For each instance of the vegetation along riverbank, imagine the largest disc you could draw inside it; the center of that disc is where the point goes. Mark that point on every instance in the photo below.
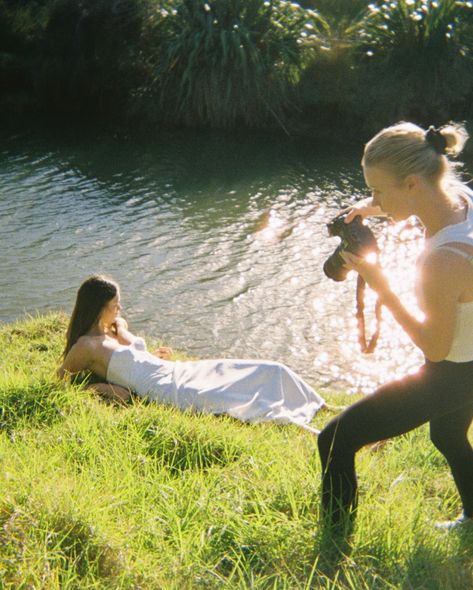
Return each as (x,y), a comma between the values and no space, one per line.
(324,67)
(100,496)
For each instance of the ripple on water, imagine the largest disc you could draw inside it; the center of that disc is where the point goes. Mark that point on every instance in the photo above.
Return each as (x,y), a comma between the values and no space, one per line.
(218,246)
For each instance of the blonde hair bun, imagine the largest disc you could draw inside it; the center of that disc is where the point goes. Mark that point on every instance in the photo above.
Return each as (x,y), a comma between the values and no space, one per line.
(456,136)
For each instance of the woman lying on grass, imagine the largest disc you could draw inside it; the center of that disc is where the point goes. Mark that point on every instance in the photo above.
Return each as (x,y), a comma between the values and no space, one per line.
(99,342)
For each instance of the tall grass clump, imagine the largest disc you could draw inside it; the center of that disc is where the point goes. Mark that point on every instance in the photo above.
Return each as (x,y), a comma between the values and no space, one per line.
(220,63)
(419,58)
(97,496)
(339,14)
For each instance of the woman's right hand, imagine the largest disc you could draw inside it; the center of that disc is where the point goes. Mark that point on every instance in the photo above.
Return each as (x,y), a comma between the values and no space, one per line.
(120,324)
(364,208)
(113,393)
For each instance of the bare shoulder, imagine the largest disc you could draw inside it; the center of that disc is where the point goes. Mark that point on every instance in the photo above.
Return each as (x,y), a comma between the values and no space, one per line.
(448,260)
(447,271)
(78,357)
(84,345)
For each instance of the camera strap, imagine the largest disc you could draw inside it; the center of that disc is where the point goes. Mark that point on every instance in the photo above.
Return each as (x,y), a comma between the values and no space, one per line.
(360,317)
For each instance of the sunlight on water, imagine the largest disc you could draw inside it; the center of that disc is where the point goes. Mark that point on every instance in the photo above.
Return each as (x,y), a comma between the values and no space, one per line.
(218,245)
(395,354)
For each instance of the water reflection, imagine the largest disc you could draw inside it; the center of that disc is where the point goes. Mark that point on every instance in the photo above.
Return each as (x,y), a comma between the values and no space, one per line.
(395,355)
(218,244)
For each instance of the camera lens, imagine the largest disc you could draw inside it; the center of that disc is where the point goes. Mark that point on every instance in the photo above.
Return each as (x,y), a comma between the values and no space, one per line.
(334,267)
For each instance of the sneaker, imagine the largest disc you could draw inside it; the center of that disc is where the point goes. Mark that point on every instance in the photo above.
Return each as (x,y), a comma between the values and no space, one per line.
(459,523)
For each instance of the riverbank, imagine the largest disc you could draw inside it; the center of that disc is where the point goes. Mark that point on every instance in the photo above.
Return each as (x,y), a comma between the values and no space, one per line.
(97,496)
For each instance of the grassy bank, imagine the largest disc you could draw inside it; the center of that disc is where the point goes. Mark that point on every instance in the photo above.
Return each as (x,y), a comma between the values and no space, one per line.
(96,496)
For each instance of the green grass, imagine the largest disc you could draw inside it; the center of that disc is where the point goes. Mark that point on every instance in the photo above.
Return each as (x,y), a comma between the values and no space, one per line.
(94,496)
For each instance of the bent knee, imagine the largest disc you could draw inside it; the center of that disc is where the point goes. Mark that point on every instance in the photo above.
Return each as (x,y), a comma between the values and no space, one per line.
(445,440)
(329,439)
(338,438)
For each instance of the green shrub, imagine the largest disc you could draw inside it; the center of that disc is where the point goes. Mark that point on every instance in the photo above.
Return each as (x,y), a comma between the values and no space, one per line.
(224,62)
(418,58)
(340,15)
(318,65)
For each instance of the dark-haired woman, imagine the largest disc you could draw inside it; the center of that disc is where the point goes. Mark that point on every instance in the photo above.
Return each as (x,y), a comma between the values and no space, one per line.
(98,341)
(409,173)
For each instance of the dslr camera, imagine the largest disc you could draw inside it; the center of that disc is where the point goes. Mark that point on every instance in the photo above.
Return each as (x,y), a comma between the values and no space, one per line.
(355,237)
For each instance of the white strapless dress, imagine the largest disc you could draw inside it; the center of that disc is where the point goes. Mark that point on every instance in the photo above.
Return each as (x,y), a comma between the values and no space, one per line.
(249,390)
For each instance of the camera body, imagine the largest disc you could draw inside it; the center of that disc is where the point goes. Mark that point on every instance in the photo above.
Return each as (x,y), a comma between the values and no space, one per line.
(355,237)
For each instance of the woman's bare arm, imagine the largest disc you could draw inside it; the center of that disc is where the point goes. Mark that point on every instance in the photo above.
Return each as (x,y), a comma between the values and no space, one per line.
(124,336)
(364,208)
(111,392)
(443,279)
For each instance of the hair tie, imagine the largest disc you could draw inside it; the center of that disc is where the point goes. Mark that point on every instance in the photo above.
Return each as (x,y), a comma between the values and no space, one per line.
(435,138)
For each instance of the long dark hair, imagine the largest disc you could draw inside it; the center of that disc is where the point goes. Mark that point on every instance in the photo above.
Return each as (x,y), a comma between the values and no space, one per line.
(92,296)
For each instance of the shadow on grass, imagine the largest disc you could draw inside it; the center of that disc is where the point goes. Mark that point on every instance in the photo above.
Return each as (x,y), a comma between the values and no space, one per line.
(35,405)
(334,544)
(430,568)
(54,547)
(181,445)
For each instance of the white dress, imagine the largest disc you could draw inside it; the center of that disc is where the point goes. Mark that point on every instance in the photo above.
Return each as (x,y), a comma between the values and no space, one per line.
(249,390)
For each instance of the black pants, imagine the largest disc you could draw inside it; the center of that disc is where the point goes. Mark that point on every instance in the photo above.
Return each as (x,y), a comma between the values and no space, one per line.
(440,393)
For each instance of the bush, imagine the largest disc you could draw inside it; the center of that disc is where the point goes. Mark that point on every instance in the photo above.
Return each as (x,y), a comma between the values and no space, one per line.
(329,85)
(418,58)
(318,65)
(224,62)
(22,27)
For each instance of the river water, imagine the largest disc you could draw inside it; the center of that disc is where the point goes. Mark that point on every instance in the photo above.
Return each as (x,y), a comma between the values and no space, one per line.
(218,244)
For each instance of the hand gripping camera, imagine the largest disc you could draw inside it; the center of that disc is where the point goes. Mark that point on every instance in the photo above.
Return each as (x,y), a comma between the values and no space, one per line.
(359,239)
(355,237)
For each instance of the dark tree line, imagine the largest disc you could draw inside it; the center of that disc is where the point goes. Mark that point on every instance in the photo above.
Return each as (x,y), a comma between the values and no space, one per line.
(313,66)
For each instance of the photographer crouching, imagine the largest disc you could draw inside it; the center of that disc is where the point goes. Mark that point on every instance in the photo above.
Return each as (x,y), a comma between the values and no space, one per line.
(408,172)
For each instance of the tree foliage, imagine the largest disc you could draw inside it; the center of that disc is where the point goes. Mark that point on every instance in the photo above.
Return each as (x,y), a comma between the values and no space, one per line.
(422,50)
(229,63)
(224,62)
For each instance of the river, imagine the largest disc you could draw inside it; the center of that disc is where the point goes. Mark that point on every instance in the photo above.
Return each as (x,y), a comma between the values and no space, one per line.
(218,243)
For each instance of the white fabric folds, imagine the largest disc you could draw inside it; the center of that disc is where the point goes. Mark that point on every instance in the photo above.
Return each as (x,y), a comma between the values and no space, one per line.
(249,390)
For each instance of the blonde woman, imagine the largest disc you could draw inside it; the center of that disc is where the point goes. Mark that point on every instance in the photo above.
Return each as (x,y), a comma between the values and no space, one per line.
(408,172)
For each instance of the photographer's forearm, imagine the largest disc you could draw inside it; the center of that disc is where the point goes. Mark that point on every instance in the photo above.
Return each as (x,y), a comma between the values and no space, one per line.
(365,208)
(410,325)
(372,210)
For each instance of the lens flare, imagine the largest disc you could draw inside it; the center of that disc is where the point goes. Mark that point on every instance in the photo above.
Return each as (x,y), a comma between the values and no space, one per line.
(371,257)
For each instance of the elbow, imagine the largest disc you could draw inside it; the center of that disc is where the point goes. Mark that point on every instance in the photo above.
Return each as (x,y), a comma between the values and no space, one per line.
(436,354)
(435,358)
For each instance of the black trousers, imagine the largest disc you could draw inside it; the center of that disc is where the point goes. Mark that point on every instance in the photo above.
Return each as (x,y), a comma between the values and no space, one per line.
(440,393)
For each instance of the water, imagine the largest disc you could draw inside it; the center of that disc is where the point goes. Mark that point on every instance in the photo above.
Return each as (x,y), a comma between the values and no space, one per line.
(218,244)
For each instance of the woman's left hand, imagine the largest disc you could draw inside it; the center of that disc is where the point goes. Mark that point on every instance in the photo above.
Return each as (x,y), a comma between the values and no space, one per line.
(371,272)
